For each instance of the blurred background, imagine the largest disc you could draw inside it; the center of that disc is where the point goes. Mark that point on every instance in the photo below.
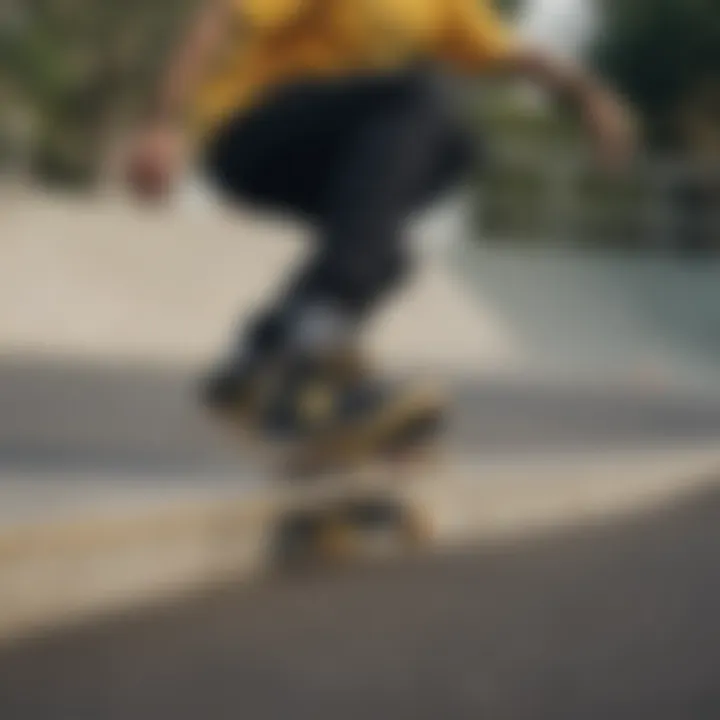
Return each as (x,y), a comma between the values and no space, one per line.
(74,72)
(576,320)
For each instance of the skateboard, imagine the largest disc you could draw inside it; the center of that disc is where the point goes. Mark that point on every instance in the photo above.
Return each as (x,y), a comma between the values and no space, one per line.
(355,514)
(363,510)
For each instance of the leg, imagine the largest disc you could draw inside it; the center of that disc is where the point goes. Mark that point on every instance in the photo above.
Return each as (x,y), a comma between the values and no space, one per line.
(392,163)
(363,154)
(354,157)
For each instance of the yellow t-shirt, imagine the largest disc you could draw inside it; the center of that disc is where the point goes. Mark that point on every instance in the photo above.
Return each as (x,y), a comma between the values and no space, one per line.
(285,40)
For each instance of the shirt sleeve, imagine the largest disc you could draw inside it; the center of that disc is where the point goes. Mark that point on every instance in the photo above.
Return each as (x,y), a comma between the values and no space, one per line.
(474,35)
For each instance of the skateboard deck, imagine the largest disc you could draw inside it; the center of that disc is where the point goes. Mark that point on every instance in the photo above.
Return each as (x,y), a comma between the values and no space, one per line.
(364,510)
(354,514)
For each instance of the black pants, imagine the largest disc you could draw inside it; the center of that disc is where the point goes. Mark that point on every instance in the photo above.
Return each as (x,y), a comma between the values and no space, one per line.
(354,157)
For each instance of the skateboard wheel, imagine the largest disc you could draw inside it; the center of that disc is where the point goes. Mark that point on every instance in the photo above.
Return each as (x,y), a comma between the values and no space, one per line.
(335,541)
(418,528)
(356,529)
(296,538)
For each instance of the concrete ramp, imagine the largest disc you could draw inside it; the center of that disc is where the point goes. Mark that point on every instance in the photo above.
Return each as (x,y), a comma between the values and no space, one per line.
(114,488)
(608,316)
(111,281)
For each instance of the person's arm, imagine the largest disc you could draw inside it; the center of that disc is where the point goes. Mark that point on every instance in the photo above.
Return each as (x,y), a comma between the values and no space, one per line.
(160,146)
(478,40)
(605,114)
(190,61)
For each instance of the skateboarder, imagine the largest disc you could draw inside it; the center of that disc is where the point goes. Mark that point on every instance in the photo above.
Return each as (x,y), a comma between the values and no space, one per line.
(336,111)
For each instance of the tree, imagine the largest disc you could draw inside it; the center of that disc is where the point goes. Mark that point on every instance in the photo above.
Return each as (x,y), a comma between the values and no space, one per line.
(665,55)
(75,66)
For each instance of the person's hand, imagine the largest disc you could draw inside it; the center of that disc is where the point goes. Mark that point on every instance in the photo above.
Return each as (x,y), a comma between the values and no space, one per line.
(154,160)
(613,128)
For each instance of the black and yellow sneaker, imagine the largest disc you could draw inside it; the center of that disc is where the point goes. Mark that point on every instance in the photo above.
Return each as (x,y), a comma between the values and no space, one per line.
(332,410)
(285,399)
(348,419)
(238,391)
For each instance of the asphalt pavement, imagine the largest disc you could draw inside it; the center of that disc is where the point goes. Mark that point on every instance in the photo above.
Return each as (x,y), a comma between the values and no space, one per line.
(614,622)
(62,416)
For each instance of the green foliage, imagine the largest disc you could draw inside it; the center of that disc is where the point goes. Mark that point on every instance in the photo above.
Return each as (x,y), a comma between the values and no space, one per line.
(78,65)
(665,55)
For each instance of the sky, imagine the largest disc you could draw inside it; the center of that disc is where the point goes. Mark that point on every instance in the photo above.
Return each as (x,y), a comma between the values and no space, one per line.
(564,24)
